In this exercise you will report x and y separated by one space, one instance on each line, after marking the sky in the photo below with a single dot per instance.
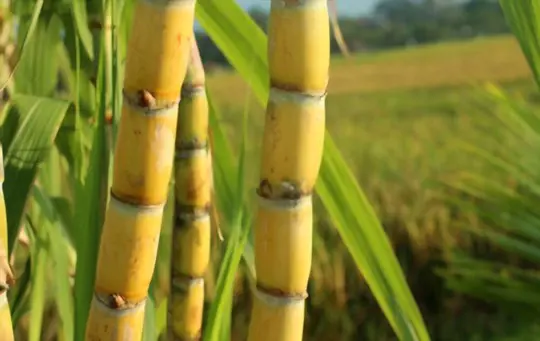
344 6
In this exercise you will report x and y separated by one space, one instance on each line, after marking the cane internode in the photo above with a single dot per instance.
156 63
299 57
193 187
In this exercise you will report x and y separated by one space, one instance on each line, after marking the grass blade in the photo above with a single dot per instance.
37 293
34 126
218 317
78 9
368 244
24 41
523 16
37 75
89 212
58 251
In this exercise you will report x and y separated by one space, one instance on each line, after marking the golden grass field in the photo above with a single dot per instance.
396 116
445 64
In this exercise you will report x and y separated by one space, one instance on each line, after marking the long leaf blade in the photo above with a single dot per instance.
34 132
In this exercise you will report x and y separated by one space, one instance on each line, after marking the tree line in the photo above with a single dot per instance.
395 23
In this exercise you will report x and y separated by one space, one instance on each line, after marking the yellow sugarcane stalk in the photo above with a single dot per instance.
156 63
191 233
6 276
299 53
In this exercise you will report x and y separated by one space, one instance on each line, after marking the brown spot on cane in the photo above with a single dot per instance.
108 117
289 190
283 190
265 189
181 219
117 301
96 24
186 214
190 144
146 99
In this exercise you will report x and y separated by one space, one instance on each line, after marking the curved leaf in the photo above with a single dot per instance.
81 21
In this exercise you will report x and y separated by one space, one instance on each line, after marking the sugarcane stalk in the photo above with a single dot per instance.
191 232
156 63
6 275
299 53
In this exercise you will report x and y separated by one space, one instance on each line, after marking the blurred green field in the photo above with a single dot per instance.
397 116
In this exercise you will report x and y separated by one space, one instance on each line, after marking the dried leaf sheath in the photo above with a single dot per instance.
299 53
193 183
157 56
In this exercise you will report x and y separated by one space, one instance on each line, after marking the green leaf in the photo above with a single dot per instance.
80 64
89 211
25 38
368 244
492 281
220 311
64 209
38 288
149 331
239 38
523 16
58 251
507 211
36 75
78 8
19 296
224 167
33 134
